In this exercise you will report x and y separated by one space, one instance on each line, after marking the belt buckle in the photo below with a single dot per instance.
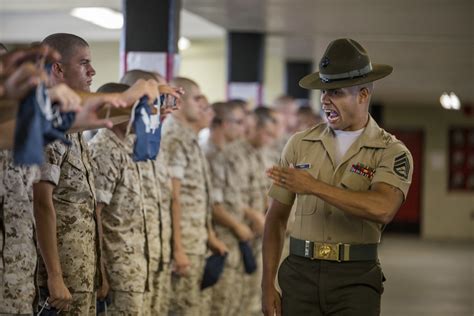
324 251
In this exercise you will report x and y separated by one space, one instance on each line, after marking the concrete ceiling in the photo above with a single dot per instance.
430 43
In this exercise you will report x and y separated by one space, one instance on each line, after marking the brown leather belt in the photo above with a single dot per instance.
333 251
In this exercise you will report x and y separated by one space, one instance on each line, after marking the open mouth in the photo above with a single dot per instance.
331 115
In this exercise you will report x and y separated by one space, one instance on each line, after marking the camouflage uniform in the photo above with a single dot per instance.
250 178
151 193
228 291
17 237
187 162
164 278
117 180
69 169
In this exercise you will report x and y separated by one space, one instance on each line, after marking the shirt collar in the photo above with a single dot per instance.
372 136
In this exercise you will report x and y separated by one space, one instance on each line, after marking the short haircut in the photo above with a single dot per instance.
185 83
113 87
223 111
65 44
264 115
240 102
132 76
282 101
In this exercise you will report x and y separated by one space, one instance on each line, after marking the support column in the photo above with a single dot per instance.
294 71
150 36
245 54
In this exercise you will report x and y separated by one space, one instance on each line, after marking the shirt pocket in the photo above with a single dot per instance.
76 164
355 182
308 204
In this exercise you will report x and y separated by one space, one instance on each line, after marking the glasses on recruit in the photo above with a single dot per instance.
168 101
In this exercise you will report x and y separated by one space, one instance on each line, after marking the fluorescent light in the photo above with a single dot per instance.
450 101
455 103
183 43
104 17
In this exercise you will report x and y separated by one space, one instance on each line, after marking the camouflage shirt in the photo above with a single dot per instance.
165 207
187 163
69 169
248 164
117 181
227 192
17 237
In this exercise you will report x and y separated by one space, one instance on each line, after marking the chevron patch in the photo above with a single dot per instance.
401 166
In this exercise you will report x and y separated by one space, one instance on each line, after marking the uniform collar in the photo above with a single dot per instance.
114 138
183 130
372 136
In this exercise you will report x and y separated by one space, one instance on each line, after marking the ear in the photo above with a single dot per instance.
57 70
364 95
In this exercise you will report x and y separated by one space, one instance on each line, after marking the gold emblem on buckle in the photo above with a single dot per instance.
325 251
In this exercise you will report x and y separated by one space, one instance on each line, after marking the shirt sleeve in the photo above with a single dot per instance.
55 154
288 157
396 167
177 161
107 171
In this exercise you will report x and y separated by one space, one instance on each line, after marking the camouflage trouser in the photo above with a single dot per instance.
157 299
20 305
227 293
186 297
83 303
252 296
126 303
164 289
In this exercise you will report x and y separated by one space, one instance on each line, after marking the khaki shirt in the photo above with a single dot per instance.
376 156
186 162
69 169
117 182
17 236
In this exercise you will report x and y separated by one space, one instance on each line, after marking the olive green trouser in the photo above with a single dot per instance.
317 287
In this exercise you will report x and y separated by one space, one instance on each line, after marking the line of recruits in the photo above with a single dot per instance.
91 231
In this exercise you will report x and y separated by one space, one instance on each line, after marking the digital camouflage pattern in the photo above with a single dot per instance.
69 169
248 166
17 237
165 207
117 182
227 292
186 161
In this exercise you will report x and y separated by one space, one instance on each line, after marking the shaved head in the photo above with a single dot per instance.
65 43
134 75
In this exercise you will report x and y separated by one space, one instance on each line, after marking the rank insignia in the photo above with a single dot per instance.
401 166
363 170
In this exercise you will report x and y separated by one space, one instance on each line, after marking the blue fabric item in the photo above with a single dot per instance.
101 305
250 264
213 270
38 124
148 137
58 127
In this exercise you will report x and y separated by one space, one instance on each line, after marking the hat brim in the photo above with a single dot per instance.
313 81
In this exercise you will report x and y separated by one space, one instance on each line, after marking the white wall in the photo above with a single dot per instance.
105 60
